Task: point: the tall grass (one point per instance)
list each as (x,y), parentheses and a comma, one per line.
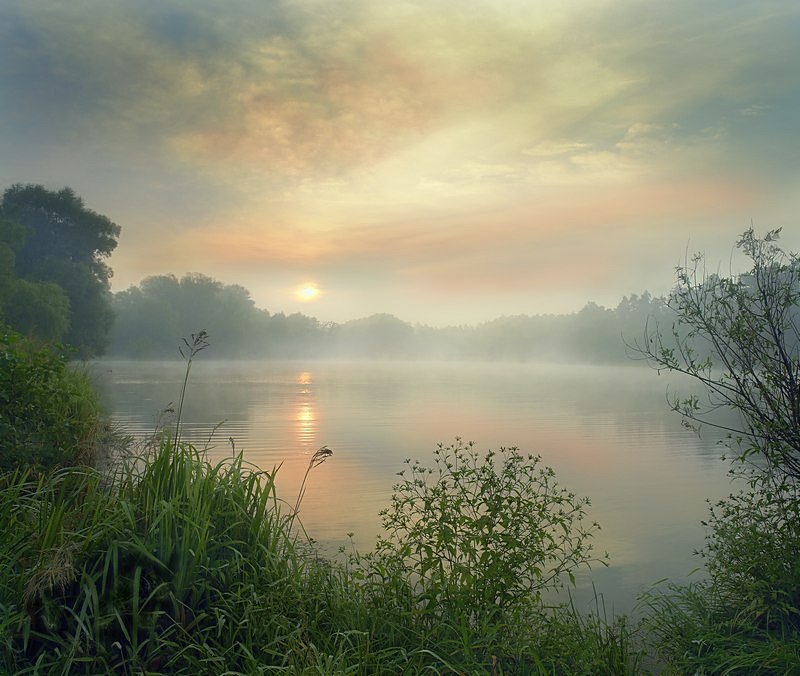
(177,565)
(189,350)
(142,571)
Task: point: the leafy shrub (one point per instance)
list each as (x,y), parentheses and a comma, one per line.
(739,338)
(752,554)
(474,542)
(49,413)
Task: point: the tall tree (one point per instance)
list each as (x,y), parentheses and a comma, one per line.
(65,243)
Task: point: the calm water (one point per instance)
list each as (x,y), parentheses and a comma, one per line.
(605,430)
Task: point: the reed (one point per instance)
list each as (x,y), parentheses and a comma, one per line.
(189,350)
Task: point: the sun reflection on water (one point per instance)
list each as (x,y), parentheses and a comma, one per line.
(305,416)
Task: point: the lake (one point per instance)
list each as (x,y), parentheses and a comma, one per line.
(606,430)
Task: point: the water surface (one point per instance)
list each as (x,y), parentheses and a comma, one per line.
(607,432)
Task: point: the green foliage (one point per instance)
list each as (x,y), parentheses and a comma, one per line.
(39,309)
(574,642)
(61,227)
(91,314)
(740,339)
(743,618)
(473,543)
(173,564)
(691,631)
(12,236)
(49,413)
(752,555)
(51,239)
(151,315)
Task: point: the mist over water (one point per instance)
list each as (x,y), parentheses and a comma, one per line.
(605,430)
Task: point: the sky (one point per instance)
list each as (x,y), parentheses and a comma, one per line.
(446,161)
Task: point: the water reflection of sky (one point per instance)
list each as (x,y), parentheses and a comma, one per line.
(606,431)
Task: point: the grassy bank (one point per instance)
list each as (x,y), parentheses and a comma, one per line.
(174,565)
(170,564)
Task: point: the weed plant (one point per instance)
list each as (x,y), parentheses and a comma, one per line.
(471,546)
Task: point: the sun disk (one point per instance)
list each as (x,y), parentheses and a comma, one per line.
(307,292)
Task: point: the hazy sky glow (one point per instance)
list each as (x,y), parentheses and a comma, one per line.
(447,161)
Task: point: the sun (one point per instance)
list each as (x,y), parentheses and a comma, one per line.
(307,292)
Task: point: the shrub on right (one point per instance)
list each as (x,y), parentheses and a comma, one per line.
(738,337)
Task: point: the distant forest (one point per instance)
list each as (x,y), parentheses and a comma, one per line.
(54,287)
(151,318)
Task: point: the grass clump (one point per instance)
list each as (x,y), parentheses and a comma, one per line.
(174,565)
(743,617)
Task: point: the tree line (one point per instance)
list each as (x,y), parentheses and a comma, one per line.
(151,316)
(54,287)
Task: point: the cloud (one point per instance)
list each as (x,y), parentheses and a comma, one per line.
(472,145)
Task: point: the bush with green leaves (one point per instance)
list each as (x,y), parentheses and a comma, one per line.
(49,412)
(738,337)
(473,543)
(752,555)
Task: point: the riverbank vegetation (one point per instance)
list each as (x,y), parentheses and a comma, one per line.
(179,566)
(165,563)
(169,564)
(739,339)
(49,413)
